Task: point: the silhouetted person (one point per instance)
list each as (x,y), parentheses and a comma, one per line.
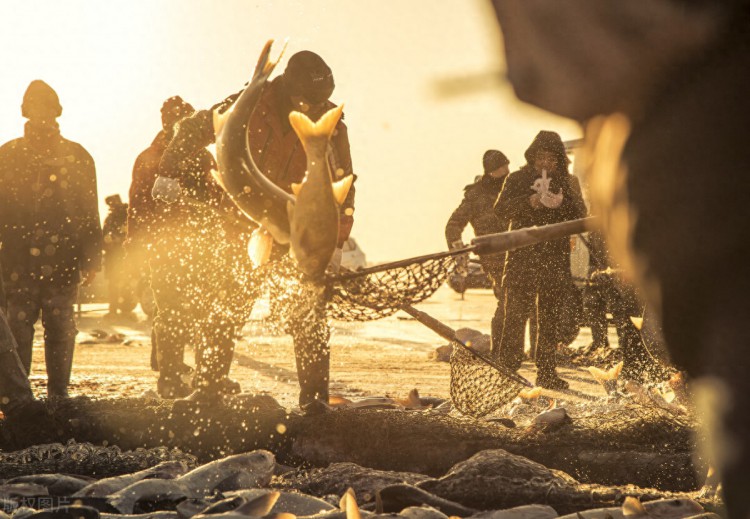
(116,270)
(177,241)
(50,231)
(542,192)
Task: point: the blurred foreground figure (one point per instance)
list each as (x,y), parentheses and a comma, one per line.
(663,88)
(306,86)
(116,270)
(538,277)
(50,232)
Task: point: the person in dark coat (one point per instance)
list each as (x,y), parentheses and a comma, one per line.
(477,209)
(542,192)
(306,85)
(116,271)
(146,215)
(663,92)
(50,232)
(185,245)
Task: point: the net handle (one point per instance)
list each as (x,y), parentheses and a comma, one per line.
(449,333)
(488,244)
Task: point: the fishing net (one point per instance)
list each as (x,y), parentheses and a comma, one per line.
(478,385)
(365,296)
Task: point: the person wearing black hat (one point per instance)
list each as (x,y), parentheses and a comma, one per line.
(476,209)
(542,192)
(178,244)
(306,86)
(50,232)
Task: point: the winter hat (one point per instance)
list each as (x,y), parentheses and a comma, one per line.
(40,96)
(307,75)
(113,201)
(547,141)
(174,109)
(494,159)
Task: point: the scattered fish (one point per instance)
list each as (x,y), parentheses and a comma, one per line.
(159,514)
(422,512)
(56,484)
(259,506)
(519,512)
(107,486)
(551,417)
(530,395)
(289,502)
(632,508)
(13,490)
(251,469)
(608,379)
(66,512)
(240,471)
(395,498)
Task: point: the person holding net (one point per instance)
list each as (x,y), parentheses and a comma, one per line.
(542,192)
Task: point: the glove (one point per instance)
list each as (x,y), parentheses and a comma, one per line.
(546,197)
(462,260)
(166,190)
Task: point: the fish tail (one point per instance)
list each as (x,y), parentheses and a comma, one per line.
(310,131)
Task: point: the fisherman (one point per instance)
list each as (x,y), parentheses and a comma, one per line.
(50,232)
(670,100)
(305,86)
(477,209)
(116,271)
(147,221)
(185,242)
(542,192)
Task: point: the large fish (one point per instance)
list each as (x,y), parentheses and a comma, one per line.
(257,197)
(107,486)
(309,221)
(314,216)
(248,470)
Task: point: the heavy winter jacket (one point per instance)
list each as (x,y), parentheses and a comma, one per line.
(49,215)
(513,207)
(477,209)
(147,216)
(275,147)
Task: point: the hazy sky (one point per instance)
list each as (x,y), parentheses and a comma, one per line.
(113,62)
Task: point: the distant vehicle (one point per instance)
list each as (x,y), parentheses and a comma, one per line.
(352,257)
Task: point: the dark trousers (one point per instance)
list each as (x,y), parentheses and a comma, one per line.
(55,304)
(308,325)
(526,291)
(14,381)
(199,278)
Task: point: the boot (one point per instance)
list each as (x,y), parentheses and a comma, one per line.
(59,358)
(15,390)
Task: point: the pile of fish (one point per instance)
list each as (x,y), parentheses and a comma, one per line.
(252,484)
